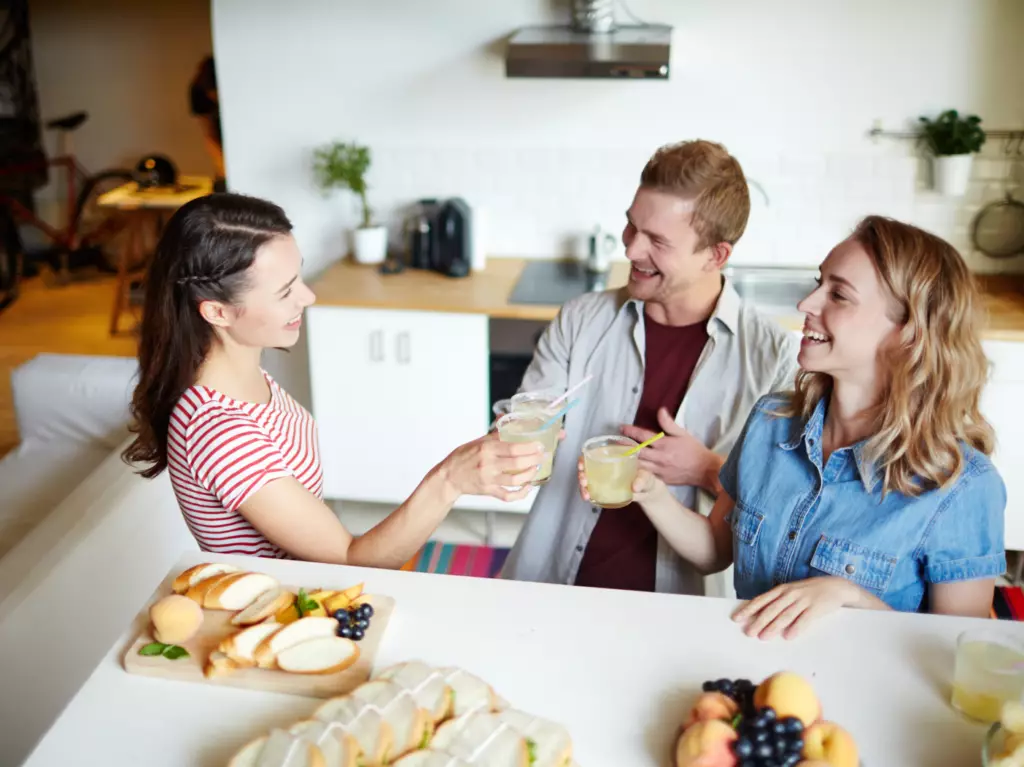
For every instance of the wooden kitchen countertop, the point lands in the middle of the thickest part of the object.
(487, 292)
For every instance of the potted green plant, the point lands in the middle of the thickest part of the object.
(952, 140)
(341, 165)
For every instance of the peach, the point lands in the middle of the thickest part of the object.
(830, 743)
(790, 695)
(706, 744)
(713, 705)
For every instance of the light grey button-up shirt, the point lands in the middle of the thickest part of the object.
(602, 334)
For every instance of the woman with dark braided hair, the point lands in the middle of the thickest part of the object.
(242, 454)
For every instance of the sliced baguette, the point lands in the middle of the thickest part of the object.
(430, 758)
(367, 726)
(241, 647)
(238, 592)
(482, 738)
(427, 685)
(266, 605)
(198, 592)
(218, 664)
(294, 633)
(322, 655)
(411, 725)
(279, 749)
(340, 748)
(194, 575)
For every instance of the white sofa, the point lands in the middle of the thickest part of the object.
(88, 539)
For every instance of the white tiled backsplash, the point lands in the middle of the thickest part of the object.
(543, 201)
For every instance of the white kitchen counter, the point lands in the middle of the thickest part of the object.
(619, 669)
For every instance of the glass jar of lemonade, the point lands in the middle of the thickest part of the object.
(989, 671)
(609, 471)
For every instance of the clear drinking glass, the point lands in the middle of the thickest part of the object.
(609, 472)
(521, 427)
(989, 671)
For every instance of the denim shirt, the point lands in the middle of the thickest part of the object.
(796, 518)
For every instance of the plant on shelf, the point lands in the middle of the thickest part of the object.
(952, 140)
(341, 165)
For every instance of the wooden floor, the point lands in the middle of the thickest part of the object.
(68, 319)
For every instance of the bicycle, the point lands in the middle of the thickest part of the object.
(88, 232)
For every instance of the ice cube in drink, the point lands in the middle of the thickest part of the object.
(519, 427)
(609, 471)
(989, 671)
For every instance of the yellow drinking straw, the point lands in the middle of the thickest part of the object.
(642, 445)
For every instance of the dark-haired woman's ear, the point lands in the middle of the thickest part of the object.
(216, 313)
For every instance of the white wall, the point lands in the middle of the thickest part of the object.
(790, 86)
(129, 64)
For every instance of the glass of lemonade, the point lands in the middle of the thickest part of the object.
(989, 671)
(523, 427)
(610, 473)
(536, 403)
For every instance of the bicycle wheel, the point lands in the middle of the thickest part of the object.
(102, 230)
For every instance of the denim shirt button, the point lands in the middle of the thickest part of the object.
(636, 390)
(850, 569)
(579, 549)
(792, 535)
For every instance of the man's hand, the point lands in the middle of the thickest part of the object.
(678, 458)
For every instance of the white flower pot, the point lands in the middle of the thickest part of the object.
(952, 173)
(370, 244)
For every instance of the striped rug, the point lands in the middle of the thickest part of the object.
(458, 559)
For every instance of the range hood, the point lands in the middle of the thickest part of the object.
(625, 52)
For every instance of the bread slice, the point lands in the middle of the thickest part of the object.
(365, 724)
(279, 749)
(291, 635)
(340, 748)
(430, 758)
(194, 575)
(552, 745)
(427, 685)
(218, 664)
(482, 738)
(322, 655)
(411, 725)
(266, 605)
(469, 693)
(241, 647)
(199, 591)
(239, 591)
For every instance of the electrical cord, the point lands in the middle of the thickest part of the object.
(632, 16)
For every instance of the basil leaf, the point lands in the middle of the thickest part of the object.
(153, 648)
(173, 652)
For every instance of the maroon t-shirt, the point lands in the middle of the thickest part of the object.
(623, 549)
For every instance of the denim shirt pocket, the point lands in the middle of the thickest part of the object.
(746, 525)
(868, 568)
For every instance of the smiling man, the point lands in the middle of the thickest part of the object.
(675, 350)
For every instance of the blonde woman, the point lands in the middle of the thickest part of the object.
(869, 485)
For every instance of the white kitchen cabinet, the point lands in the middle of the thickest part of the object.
(1001, 405)
(393, 392)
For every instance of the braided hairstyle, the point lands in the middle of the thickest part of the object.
(204, 254)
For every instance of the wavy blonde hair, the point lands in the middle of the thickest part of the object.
(937, 369)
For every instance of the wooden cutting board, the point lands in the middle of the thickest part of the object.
(217, 626)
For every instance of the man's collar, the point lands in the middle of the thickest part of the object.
(727, 308)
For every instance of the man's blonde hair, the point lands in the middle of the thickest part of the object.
(936, 370)
(704, 172)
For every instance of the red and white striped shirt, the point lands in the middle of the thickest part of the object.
(220, 451)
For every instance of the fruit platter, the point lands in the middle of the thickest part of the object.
(413, 715)
(220, 624)
(777, 723)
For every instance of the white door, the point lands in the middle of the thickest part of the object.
(393, 393)
(1001, 405)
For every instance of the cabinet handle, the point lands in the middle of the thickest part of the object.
(402, 348)
(377, 346)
